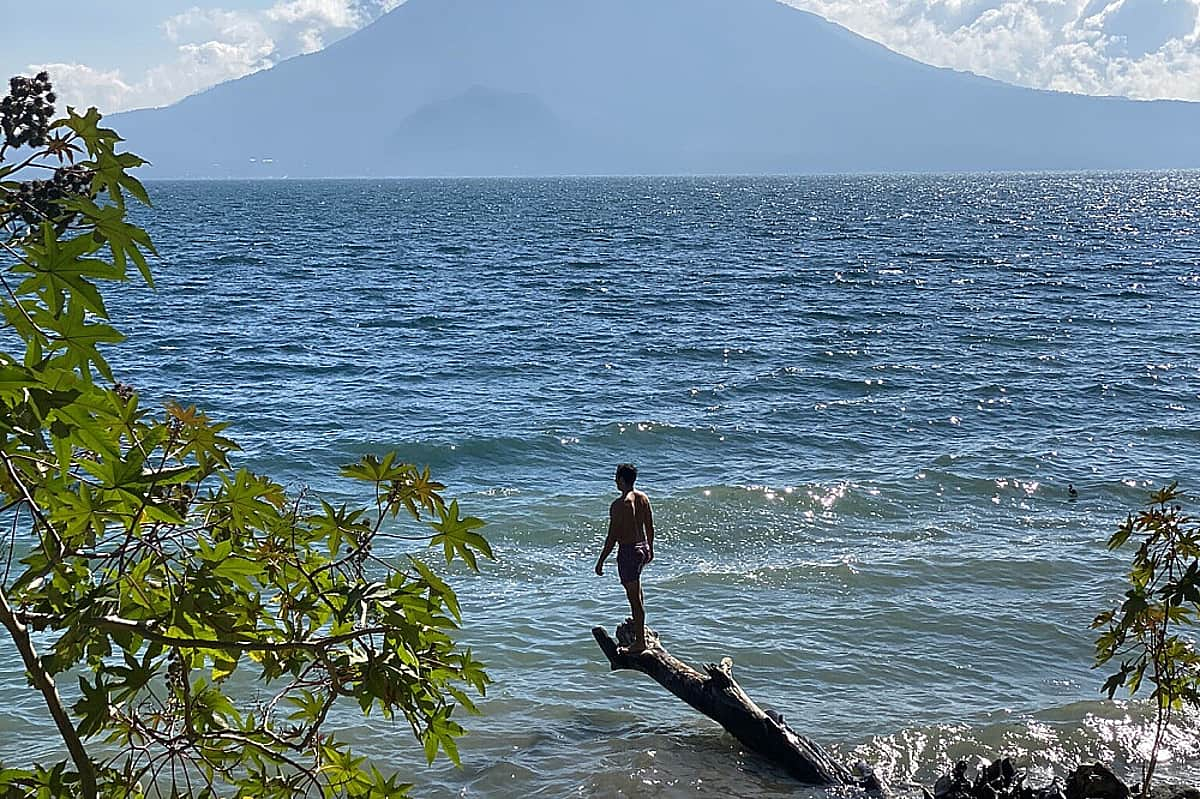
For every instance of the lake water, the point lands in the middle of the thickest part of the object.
(856, 403)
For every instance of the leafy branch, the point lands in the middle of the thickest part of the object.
(1144, 634)
(156, 571)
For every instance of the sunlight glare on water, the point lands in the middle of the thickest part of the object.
(856, 403)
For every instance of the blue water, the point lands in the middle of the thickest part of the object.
(856, 404)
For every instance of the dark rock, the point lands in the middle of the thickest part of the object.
(870, 781)
(1095, 782)
(955, 785)
(999, 774)
(1000, 779)
(1052, 791)
(997, 780)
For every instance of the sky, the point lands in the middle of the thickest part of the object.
(123, 54)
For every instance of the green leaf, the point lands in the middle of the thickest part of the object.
(73, 333)
(14, 380)
(61, 274)
(125, 241)
(455, 535)
(437, 587)
(238, 570)
(1122, 535)
(223, 666)
(431, 743)
(93, 707)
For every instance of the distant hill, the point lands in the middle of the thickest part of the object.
(536, 87)
(481, 131)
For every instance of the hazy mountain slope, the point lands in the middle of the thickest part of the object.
(480, 130)
(615, 86)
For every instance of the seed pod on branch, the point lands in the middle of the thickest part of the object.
(26, 111)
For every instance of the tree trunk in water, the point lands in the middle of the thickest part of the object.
(717, 695)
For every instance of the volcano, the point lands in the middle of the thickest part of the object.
(565, 87)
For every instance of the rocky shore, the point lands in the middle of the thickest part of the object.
(1002, 780)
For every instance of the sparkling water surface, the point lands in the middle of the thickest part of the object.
(856, 403)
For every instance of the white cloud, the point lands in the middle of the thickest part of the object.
(1137, 48)
(329, 13)
(215, 45)
(80, 85)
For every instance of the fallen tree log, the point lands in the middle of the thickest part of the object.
(717, 695)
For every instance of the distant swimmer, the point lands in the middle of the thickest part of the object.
(630, 525)
(1071, 492)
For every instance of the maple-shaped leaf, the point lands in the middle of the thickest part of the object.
(71, 331)
(59, 271)
(125, 240)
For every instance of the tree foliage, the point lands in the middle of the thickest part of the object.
(210, 620)
(1145, 633)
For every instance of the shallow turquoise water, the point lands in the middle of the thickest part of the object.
(856, 404)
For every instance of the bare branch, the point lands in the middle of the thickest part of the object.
(46, 687)
(314, 645)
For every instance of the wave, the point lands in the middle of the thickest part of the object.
(1047, 743)
(1172, 434)
(419, 322)
(240, 260)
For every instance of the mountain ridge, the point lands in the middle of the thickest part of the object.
(638, 86)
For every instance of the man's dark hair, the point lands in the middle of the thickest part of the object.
(627, 473)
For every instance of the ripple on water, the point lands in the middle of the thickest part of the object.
(856, 409)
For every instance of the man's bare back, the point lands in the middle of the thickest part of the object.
(628, 517)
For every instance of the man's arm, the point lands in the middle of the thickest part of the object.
(609, 542)
(648, 524)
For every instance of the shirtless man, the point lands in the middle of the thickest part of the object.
(630, 524)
